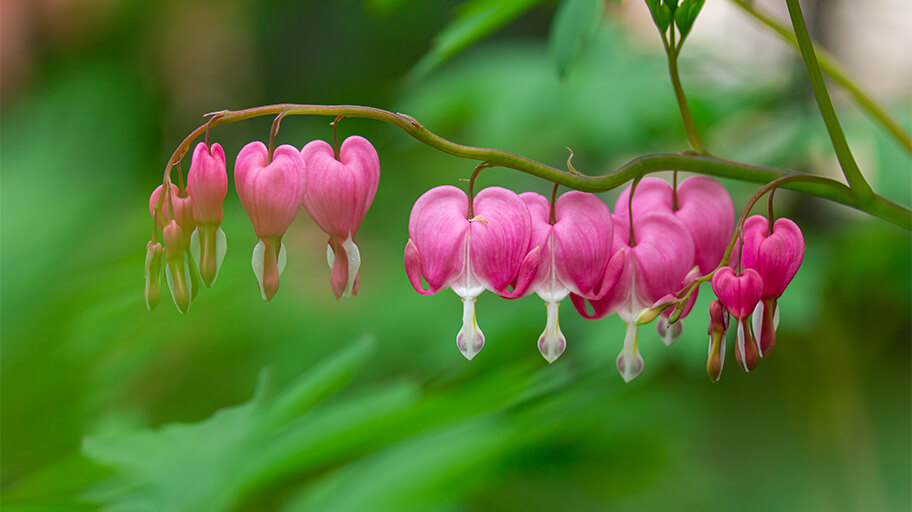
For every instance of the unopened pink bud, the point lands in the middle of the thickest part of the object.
(180, 205)
(337, 195)
(270, 193)
(207, 181)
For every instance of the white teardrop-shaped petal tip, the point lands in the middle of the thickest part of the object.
(552, 343)
(470, 339)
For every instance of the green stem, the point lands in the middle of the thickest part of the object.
(693, 136)
(829, 66)
(826, 188)
(837, 137)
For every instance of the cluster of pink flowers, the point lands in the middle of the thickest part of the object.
(335, 189)
(518, 244)
(645, 261)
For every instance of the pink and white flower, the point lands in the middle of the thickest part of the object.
(270, 192)
(207, 182)
(575, 251)
(337, 195)
(489, 251)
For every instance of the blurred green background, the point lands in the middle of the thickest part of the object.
(366, 404)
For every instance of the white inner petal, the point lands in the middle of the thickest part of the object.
(256, 262)
(470, 339)
(354, 263)
(221, 247)
(552, 343)
(195, 246)
(629, 362)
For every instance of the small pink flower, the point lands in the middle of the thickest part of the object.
(575, 251)
(337, 195)
(207, 182)
(270, 193)
(740, 295)
(488, 251)
(652, 267)
(776, 256)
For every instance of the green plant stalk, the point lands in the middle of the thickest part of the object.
(672, 50)
(829, 66)
(837, 137)
(825, 187)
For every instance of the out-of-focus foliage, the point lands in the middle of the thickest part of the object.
(105, 404)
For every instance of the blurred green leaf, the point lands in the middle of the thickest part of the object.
(661, 14)
(686, 14)
(475, 20)
(575, 24)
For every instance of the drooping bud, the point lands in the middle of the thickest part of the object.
(718, 326)
(180, 204)
(270, 192)
(176, 266)
(153, 271)
(207, 181)
(776, 255)
(740, 295)
(337, 195)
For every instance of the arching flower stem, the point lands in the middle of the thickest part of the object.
(712, 166)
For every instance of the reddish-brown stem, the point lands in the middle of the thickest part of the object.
(335, 124)
(553, 217)
(272, 135)
(474, 177)
(632, 241)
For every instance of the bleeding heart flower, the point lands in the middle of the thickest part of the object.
(704, 206)
(207, 181)
(740, 295)
(575, 251)
(652, 265)
(488, 251)
(337, 196)
(270, 193)
(776, 256)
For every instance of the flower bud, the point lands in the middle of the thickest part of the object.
(718, 326)
(740, 295)
(337, 195)
(270, 193)
(153, 271)
(207, 182)
(180, 205)
(177, 267)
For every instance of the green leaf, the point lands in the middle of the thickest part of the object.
(575, 24)
(686, 14)
(475, 20)
(661, 14)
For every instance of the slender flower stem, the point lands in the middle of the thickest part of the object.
(693, 136)
(335, 124)
(708, 165)
(632, 240)
(272, 135)
(843, 153)
(831, 67)
(553, 218)
(475, 173)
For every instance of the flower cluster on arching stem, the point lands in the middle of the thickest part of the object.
(273, 185)
(643, 262)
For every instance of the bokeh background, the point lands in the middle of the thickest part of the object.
(366, 404)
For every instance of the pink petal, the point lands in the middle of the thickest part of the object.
(776, 256)
(652, 195)
(540, 215)
(583, 233)
(338, 193)
(274, 192)
(437, 233)
(664, 254)
(705, 207)
(738, 293)
(207, 181)
(498, 244)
